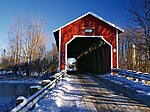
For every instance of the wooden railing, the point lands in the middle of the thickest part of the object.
(133, 75)
(29, 103)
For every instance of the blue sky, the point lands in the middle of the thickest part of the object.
(59, 12)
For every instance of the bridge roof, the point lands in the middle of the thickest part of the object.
(95, 15)
(56, 32)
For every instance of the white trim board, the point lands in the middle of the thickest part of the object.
(95, 15)
(59, 49)
(78, 36)
(117, 47)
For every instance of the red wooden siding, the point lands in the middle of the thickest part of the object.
(99, 27)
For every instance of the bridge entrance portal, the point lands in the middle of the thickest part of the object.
(92, 54)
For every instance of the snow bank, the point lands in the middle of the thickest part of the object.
(22, 81)
(19, 80)
(138, 86)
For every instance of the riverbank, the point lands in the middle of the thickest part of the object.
(19, 79)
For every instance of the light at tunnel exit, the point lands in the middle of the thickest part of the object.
(71, 64)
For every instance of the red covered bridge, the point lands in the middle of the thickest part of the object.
(91, 40)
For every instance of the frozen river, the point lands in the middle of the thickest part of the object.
(10, 91)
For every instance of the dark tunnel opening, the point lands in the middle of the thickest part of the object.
(92, 54)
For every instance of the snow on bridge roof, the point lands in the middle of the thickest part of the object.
(95, 15)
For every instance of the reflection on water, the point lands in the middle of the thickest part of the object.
(10, 91)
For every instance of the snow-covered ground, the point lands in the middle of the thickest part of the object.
(4, 79)
(20, 81)
(135, 85)
(83, 93)
(65, 97)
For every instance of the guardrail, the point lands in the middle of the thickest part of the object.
(29, 103)
(133, 75)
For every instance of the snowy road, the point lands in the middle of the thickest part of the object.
(89, 93)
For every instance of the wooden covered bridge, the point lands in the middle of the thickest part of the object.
(91, 40)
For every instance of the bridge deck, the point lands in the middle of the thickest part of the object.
(88, 93)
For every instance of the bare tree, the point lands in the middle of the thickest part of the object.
(139, 16)
(27, 40)
(125, 50)
(52, 59)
